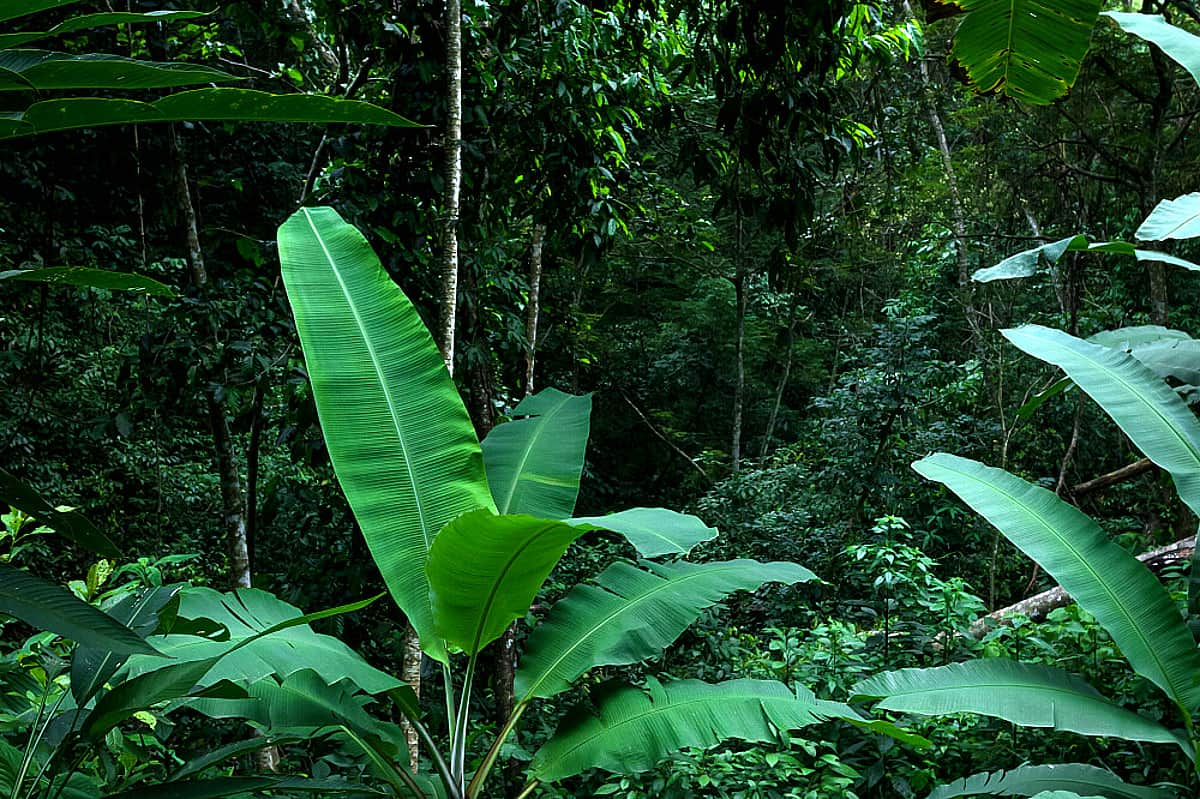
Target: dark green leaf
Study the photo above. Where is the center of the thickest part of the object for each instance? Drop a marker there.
(1028, 780)
(68, 524)
(44, 70)
(92, 278)
(88, 21)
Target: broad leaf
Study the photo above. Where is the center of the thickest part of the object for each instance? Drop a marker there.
(43, 70)
(1178, 44)
(214, 788)
(89, 21)
(1104, 579)
(247, 613)
(1131, 338)
(637, 728)
(485, 570)
(534, 463)
(630, 614)
(1021, 693)
(200, 105)
(1026, 263)
(48, 607)
(91, 278)
(1028, 49)
(653, 532)
(1173, 219)
(1154, 417)
(1029, 780)
(91, 668)
(236, 749)
(67, 523)
(398, 434)
(14, 9)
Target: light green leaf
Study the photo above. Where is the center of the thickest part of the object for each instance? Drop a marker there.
(44, 70)
(637, 728)
(200, 105)
(534, 463)
(1028, 49)
(1108, 582)
(48, 607)
(1029, 780)
(485, 570)
(67, 523)
(398, 434)
(91, 278)
(1154, 417)
(88, 21)
(1179, 45)
(1173, 219)
(1130, 338)
(630, 614)
(1026, 263)
(653, 532)
(1024, 694)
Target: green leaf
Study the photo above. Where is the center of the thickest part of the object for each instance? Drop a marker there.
(14, 9)
(235, 749)
(1179, 45)
(1130, 338)
(1028, 49)
(91, 278)
(631, 614)
(1062, 795)
(247, 613)
(1026, 263)
(1173, 219)
(48, 607)
(1155, 418)
(1108, 582)
(637, 728)
(200, 105)
(534, 463)
(213, 788)
(69, 524)
(1021, 693)
(89, 21)
(653, 532)
(44, 70)
(91, 668)
(1028, 780)
(485, 570)
(401, 442)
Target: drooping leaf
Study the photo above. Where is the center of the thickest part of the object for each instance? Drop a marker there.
(1108, 582)
(653, 532)
(1029, 780)
(1062, 795)
(1026, 263)
(44, 70)
(1028, 49)
(48, 607)
(1130, 338)
(1154, 417)
(636, 728)
(247, 613)
(69, 524)
(1021, 693)
(1173, 219)
(534, 462)
(91, 668)
(630, 614)
(1179, 45)
(91, 278)
(1037, 400)
(236, 749)
(212, 788)
(200, 105)
(14, 9)
(89, 21)
(485, 570)
(398, 434)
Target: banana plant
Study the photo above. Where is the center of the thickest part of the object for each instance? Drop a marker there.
(465, 534)
(1108, 582)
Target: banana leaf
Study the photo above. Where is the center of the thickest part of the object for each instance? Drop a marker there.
(1173, 219)
(653, 532)
(91, 278)
(89, 21)
(1029, 780)
(44, 70)
(1179, 45)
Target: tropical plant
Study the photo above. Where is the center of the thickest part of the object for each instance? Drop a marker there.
(451, 526)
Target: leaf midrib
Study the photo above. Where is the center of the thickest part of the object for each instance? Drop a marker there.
(542, 420)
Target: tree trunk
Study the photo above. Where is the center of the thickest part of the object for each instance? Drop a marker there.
(783, 381)
(453, 177)
(232, 506)
(533, 306)
(191, 228)
(739, 295)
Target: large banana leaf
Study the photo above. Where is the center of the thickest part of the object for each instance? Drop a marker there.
(247, 613)
(1029, 49)
(1104, 579)
(91, 668)
(399, 437)
(1131, 338)
(90, 277)
(1025, 694)
(637, 728)
(485, 570)
(1173, 219)
(200, 105)
(1029, 780)
(1154, 417)
(534, 462)
(1178, 44)
(631, 614)
(1027, 262)
(67, 523)
(653, 532)
(44, 70)
(48, 607)
(88, 21)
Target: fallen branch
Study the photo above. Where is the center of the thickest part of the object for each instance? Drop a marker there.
(1112, 478)
(1038, 606)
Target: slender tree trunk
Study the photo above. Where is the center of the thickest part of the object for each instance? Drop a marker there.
(252, 457)
(233, 509)
(453, 180)
(533, 306)
(739, 292)
(783, 381)
(191, 228)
